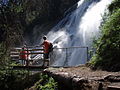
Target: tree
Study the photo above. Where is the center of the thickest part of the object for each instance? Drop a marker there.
(108, 45)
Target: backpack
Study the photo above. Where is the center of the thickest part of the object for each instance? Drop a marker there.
(50, 47)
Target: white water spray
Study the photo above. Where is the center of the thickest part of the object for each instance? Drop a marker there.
(78, 29)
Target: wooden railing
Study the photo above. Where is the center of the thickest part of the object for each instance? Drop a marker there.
(33, 50)
(15, 53)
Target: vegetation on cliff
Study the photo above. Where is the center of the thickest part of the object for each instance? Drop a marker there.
(22, 80)
(16, 18)
(10, 29)
(108, 45)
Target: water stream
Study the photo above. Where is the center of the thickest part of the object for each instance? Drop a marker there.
(78, 28)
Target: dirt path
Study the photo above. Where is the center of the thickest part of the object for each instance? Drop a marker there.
(85, 76)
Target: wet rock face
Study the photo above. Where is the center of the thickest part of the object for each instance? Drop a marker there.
(57, 8)
(42, 15)
(51, 9)
(65, 4)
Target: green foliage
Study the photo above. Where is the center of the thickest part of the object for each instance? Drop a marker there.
(14, 18)
(114, 6)
(4, 58)
(11, 79)
(32, 16)
(21, 80)
(108, 45)
(46, 83)
(10, 23)
(10, 28)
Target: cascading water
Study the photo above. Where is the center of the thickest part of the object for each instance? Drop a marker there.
(78, 29)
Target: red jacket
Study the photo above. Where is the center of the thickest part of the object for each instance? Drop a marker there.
(46, 46)
(23, 55)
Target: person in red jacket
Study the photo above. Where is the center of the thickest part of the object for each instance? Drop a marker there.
(45, 45)
(23, 56)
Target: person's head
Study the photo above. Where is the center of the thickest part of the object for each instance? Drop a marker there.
(23, 48)
(44, 37)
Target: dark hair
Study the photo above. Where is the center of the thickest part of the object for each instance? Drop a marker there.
(23, 48)
(44, 37)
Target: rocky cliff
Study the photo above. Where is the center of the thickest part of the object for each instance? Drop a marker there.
(42, 15)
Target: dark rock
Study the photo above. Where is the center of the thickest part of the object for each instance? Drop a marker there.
(67, 81)
(100, 86)
(80, 83)
(113, 88)
(48, 14)
(112, 78)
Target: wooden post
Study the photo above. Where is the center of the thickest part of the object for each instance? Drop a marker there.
(66, 59)
(27, 62)
(87, 53)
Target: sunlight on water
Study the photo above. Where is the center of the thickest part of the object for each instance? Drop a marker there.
(80, 2)
(57, 37)
(77, 29)
(89, 26)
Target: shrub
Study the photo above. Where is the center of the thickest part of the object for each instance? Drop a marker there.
(108, 45)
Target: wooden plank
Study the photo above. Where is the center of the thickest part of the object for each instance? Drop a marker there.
(33, 46)
(15, 54)
(15, 59)
(34, 50)
(27, 49)
(113, 88)
(36, 53)
(72, 47)
(12, 56)
(29, 67)
(15, 49)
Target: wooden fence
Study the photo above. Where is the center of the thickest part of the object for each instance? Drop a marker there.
(33, 51)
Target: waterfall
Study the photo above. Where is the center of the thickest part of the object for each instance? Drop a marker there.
(78, 28)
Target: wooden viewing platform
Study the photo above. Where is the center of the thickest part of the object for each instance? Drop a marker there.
(15, 53)
(34, 51)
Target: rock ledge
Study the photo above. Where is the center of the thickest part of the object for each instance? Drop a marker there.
(83, 78)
